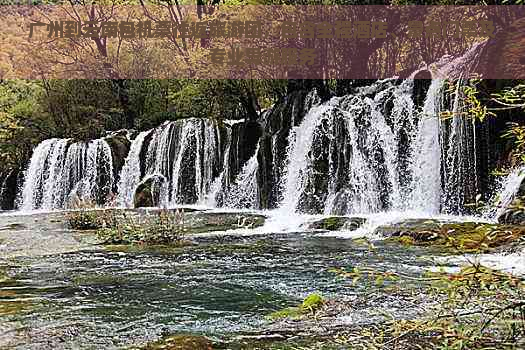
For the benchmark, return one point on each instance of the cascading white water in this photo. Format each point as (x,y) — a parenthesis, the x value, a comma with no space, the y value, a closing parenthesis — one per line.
(301,141)
(367,167)
(222,182)
(505,194)
(130,173)
(60,170)
(186,153)
(36,175)
(425,154)
(244,193)
(370,151)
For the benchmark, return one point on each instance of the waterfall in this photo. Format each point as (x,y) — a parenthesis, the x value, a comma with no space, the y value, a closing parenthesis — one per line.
(301,141)
(221,183)
(360,148)
(60,171)
(457,135)
(39,173)
(370,151)
(373,150)
(186,153)
(505,194)
(425,188)
(244,191)
(130,173)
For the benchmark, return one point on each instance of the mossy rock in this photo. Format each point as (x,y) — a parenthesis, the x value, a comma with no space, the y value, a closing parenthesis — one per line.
(463,237)
(334,223)
(289,312)
(181,342)
(310,304)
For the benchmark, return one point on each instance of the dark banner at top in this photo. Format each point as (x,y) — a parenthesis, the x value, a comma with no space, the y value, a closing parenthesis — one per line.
(262,42)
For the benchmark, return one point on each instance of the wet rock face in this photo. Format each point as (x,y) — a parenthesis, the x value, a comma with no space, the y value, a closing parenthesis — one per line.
(8,187)
(514,214)
(147,193)
(513,218)
(120,145)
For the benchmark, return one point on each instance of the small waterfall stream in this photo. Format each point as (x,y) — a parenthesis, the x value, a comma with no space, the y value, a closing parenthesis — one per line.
(506,192)
(130,174)
(375,158)
(244,191)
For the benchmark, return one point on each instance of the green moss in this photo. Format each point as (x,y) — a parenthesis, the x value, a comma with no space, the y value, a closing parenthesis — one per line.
(310,304)
(289,312)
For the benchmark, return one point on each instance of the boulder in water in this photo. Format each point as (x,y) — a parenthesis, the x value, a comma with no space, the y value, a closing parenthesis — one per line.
(334,223)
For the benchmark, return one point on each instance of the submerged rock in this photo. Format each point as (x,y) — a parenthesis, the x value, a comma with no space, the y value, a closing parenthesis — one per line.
(334,223)
(181,342)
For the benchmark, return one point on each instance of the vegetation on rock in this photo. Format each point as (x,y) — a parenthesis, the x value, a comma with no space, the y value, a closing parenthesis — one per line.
(309,306)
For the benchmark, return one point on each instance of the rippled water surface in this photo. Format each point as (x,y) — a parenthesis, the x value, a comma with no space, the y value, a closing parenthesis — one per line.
(218,287)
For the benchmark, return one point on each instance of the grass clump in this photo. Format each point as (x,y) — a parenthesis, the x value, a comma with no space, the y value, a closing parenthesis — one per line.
(165,228)
(91,219)
(85,217)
